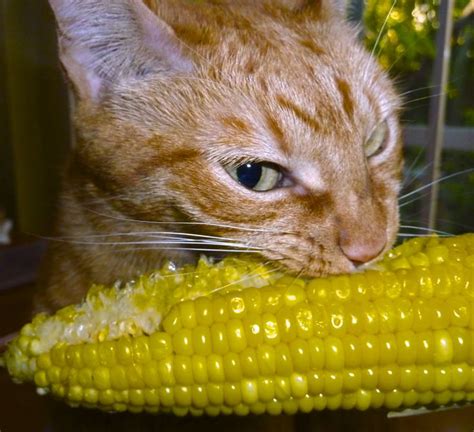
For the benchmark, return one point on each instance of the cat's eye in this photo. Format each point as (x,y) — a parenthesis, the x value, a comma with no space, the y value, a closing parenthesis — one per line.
(376,142)
(256,176)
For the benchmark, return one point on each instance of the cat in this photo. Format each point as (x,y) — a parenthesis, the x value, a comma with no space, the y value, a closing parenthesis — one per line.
(221,126)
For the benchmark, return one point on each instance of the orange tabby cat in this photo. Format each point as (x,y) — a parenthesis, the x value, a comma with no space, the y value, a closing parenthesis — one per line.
(221,126)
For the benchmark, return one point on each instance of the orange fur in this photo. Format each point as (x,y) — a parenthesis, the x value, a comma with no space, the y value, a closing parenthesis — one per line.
(283,81)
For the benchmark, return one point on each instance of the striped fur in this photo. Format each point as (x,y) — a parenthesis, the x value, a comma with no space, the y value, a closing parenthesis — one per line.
(169,94)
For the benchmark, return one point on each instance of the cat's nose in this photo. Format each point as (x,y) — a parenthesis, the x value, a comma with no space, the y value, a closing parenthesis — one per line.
(360,251)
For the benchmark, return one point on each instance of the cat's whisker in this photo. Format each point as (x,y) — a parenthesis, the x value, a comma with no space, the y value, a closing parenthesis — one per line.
(411,168)
(190,223)
(430,87)
(140,234)
(435,182)
(422,235)
(389,69)
(418,198)
(185,249)
(296,277)
(425,229)
(165,242)
(408,102)
(418,175)
(379,36)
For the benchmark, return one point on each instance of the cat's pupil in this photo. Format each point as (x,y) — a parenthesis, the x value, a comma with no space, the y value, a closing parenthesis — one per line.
(249,174)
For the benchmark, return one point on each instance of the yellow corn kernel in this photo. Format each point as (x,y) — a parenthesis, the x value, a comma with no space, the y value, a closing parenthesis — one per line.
(203,308)
(300,355)
(286,325)
(408,378)
(199,365)
(166,371)
(351,380)
(249,363)
(232,394)
(219,340)
(298,385)
(253,329)
(123,352)
(304,321)
(250,393)
(236,304)
(406,348)
(283,361)
(334,353)
(236,336)
(461,344)
(388,349)
(215,368)
(215,393)
(187,314)
(352,351)
(182,396)
(118,378)
(183,370)
(266,360)
(44,361)
(232,368)
(201,340)
(370,350)
(270,329)
(183,342)
(151,376)
(399,336)
(199,396)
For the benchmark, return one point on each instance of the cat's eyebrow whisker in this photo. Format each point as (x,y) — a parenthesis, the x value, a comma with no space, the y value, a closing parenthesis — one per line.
(435,182)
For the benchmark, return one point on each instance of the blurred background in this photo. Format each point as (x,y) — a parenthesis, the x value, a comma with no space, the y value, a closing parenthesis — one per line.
(410,38)
(408,47)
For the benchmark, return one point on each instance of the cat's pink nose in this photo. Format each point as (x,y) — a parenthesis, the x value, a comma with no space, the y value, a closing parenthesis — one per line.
(360,251)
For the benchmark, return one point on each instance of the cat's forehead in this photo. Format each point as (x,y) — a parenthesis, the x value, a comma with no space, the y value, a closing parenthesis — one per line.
(319,62)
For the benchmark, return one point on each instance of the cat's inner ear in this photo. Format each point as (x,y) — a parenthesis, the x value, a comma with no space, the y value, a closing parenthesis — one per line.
(103,42)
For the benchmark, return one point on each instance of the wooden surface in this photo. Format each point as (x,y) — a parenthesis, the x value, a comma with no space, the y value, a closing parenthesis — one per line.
(22,410)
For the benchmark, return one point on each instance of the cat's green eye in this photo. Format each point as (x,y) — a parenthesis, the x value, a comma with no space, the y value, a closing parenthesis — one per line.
(256,176)
(376,142)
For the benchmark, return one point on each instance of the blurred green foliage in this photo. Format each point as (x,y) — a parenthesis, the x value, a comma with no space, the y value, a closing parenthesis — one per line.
(456,195)
(402,34)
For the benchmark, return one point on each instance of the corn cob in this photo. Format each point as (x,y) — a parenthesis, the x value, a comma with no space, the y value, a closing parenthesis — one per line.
(397,336)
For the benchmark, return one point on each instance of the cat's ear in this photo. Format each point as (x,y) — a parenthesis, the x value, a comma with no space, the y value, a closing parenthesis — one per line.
(102,42)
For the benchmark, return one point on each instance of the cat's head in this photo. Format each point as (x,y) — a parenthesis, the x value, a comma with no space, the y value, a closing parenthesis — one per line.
(265,120)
